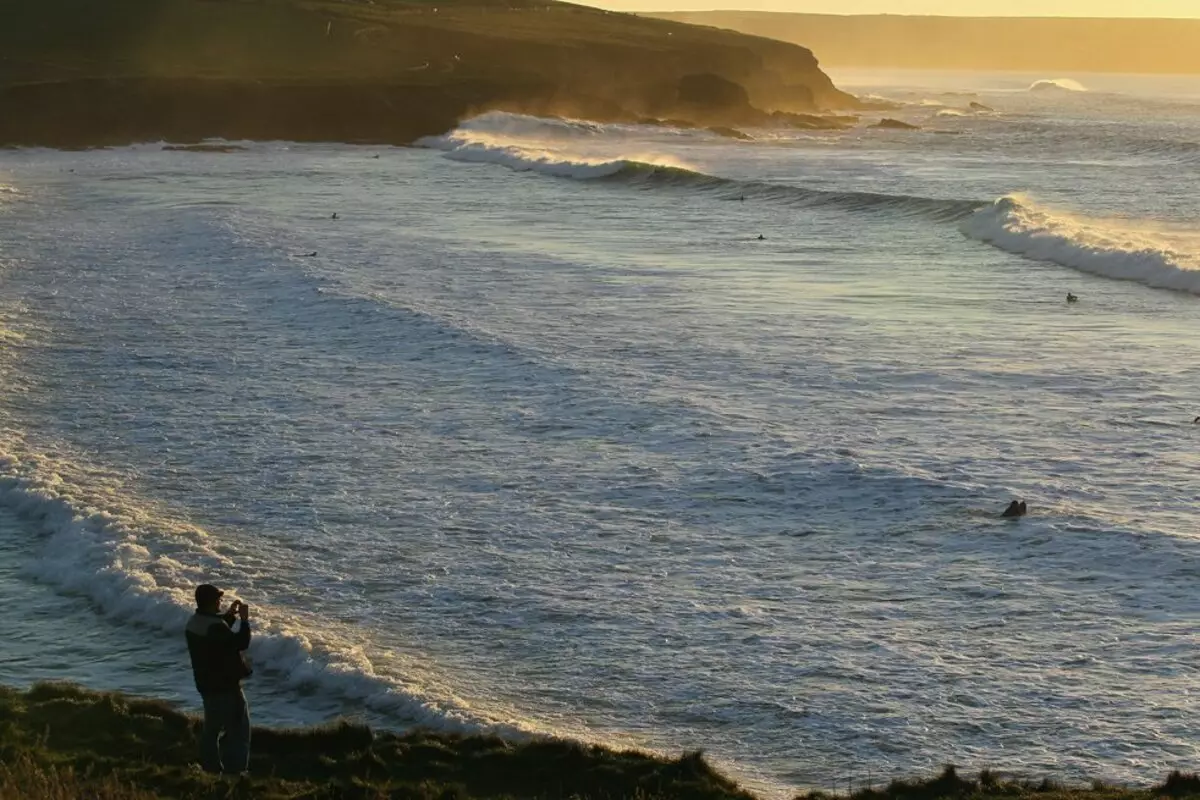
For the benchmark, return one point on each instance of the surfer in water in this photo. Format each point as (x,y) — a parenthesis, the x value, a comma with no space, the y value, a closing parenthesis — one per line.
(761,237)
(1072,298)
(1015,509)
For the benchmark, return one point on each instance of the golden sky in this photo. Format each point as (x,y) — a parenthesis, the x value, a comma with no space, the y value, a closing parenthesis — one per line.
(951,8)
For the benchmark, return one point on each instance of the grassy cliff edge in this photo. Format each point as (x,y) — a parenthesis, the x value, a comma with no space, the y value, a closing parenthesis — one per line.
(60,741)
(85,73)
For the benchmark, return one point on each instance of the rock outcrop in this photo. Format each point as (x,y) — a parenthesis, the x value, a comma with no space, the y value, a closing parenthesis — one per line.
(895,124)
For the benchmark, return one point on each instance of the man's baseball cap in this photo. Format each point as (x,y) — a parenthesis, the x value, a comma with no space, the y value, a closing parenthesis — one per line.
(206,593)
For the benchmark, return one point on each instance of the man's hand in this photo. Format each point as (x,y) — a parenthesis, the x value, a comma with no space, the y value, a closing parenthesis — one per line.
(243,611)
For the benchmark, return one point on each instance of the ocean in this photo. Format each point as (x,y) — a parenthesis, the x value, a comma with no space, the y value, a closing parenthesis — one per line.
(645,436)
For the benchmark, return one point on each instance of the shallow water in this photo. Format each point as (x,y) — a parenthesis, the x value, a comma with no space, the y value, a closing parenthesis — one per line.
(544,439)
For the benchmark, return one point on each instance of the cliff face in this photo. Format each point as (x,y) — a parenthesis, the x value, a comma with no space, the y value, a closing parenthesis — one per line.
(80,72)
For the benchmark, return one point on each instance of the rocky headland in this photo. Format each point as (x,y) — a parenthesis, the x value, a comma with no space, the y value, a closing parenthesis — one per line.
(77,73)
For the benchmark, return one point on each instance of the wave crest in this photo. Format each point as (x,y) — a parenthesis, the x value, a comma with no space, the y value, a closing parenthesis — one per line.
(665,172)
(1108,248)
(1057,85)
(504,123)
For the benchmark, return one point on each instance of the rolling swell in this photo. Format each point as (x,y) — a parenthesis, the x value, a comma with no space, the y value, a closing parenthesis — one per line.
(1110,249)
(937,209)
(656,172)
(1014,224)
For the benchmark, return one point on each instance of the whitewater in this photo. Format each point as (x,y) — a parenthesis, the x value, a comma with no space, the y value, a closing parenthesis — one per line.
(539,437)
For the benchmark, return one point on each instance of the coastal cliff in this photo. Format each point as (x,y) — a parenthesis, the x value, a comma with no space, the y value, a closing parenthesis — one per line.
(75,73)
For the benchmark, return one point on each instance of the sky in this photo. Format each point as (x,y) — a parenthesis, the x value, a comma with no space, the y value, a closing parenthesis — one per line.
(952,8)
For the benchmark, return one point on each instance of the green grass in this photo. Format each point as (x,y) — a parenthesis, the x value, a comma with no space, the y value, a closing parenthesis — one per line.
(84,73)
(324,39)
(58,736)
(556,44)
(62,742)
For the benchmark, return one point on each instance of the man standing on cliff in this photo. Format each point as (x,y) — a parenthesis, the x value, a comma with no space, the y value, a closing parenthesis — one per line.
(219,666)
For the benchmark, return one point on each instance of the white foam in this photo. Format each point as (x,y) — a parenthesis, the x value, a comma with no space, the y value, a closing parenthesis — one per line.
(527,127)
(524,155)
(137,565)
(525,160)
(9,195)
(502,123)
(1113,249)
(1057,85)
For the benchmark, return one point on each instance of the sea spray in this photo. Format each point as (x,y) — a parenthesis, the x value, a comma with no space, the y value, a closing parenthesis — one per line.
(1057,85)
(1113,249)
(665,172)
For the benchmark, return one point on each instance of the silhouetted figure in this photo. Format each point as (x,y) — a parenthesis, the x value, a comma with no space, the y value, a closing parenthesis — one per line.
(1072,298)
(1015,509)
(742,198)
(1197,419)
(219,666)
(761,237)
(335,216)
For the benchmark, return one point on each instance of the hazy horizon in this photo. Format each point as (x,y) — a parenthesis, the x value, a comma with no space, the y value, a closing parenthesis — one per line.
(1120,9)
(1069,44)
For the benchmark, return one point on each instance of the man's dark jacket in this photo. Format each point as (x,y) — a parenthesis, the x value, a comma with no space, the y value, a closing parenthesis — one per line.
(217,661)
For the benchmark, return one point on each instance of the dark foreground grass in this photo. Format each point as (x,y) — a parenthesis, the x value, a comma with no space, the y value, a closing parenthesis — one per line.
(62,742)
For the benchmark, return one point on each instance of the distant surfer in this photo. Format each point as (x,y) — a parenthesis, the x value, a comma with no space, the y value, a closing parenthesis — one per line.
(1015,509)
(1197,419)
(335,216)
(1072,298)
(761,237)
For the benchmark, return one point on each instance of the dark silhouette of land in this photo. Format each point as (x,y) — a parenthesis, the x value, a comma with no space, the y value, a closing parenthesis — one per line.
(61,741)
(984,43)
(79,73)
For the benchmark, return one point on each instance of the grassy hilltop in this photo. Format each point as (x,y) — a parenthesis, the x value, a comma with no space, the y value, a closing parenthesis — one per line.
(62,742)
(87,72)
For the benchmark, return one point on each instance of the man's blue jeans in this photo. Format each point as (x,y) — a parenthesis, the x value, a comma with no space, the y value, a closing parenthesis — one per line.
(225,740)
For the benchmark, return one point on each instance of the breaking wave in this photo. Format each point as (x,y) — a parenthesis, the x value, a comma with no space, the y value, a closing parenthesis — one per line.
(1057,85)
(502,123)
(137,566)
(525,127)
(656,171)
(1113,249)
